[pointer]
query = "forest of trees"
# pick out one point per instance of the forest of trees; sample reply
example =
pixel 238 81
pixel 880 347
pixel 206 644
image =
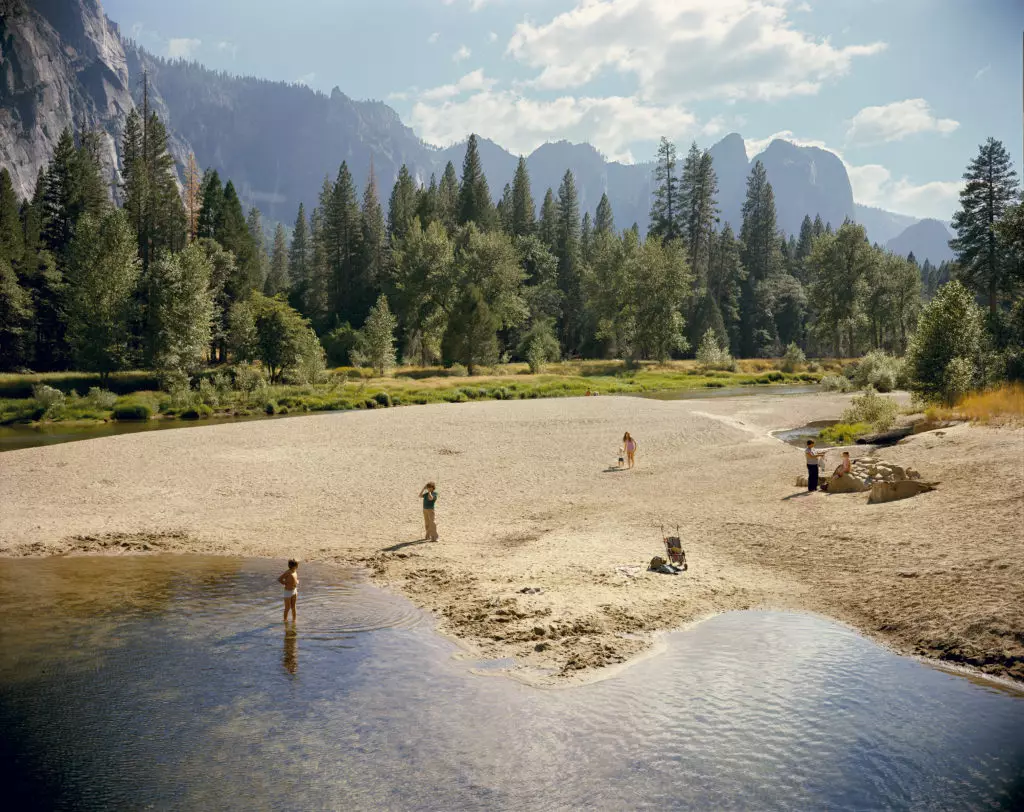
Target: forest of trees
pixel 176 279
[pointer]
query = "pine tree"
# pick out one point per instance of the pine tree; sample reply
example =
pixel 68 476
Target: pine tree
pixel 103 272
pixel 164 220
pixel 448 198
pixel 426 201
pixel 374 261
pixel 12 242
pixel 299 261
pixel 344 225
pixel 259 268
pixel 991 186
pixel 586 239
pixel 504 210
pixel 567 250
pixel 211 211
pixel 315 303
pixel 524 214
pixel 475 204
pixel 761 259
pixel 698 189
pixel 277 279
pixel 819 227
pixel 193 196
pixel 667 209
pixel 547 228
pixel 15 318
pixel 59 203
pixel 725 281
pixel 233 234
pixel 605 220
pixel 134 186
pixel 402 205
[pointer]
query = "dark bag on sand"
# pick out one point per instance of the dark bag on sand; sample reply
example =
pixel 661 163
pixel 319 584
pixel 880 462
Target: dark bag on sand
pixel 657 563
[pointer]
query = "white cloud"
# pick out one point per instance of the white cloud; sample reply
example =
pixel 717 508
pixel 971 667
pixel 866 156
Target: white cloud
pixel 896 121
pixel 522 124
pixel 683 49
pixel 182 48
pixel 982 71
pixel 756 146
pixel 307 78
pixel 476 5
pixel 874 185
pixel 492 37
pixel 462 54
pixel 434 37
pixel 469 83
pixel 228 47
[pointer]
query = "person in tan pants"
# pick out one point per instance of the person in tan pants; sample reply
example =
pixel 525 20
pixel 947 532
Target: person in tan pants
pixel 429 495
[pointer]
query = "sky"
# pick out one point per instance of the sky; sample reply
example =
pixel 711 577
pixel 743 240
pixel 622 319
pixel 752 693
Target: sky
pixel 903 91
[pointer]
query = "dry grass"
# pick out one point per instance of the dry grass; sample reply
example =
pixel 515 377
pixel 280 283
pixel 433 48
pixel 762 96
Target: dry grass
pixel 1003 406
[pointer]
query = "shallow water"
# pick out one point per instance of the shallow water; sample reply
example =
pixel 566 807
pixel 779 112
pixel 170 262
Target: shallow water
pixel 732 392
pixel 170 682
pixel 799 436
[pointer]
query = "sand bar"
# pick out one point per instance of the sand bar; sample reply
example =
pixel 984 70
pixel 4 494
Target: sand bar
pixel 527 500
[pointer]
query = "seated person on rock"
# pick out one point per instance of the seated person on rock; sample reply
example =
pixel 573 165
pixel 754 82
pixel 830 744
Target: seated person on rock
pixel 843 467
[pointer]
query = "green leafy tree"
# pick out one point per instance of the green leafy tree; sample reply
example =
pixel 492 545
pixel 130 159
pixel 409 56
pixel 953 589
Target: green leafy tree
pixel 539 345
pixel 947 346
pixel 663 285
pixel 375 343
pixel 488 261
pixel 268 330
pixel 99 297
pixel 838 269
pixel 990 188
pixel 472 335
pixel 181 310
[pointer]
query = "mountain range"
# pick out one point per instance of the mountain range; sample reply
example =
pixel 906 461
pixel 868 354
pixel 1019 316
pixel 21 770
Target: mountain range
pixel 64 63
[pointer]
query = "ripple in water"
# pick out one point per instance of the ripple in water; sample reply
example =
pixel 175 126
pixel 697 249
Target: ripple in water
pixel 170 682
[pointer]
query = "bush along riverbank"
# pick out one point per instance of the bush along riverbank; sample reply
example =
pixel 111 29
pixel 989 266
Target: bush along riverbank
pixel 245 390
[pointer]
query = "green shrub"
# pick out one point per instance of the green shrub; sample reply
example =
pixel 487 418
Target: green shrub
pixel 369 403
pixel 713 385
pixel 132 412
pixel 878 370
pixel 793 359
pixel 835 383
pixel 844 433
pixel 870 407
pixel 270 407
pixel 248 377
pixel 101 398
pixel 196 412
pixel 396 400
pixel 383 399
pixel 50 400
pixel 814 366
pixel 458 370
pixel 711 355
pixel 775 377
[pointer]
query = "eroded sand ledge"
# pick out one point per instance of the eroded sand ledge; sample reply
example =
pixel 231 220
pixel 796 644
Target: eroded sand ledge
pixel 526 501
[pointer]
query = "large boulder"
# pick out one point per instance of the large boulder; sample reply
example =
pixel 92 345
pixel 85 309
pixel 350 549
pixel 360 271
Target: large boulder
pixel 847 483
pixel 894 491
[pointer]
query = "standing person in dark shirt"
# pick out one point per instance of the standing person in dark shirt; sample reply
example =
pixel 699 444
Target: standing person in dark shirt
pixel 813 460
pixel 429 496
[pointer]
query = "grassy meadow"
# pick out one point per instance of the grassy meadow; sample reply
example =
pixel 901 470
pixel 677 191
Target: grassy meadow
pixel 79 397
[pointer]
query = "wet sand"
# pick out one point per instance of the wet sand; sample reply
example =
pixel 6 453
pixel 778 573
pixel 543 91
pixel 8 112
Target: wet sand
pixel 528 500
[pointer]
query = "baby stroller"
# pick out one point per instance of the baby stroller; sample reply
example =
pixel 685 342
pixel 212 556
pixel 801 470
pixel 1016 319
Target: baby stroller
pixel 676 555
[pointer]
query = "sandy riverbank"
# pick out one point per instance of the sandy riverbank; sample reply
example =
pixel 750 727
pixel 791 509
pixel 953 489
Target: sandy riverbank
pixel 526 501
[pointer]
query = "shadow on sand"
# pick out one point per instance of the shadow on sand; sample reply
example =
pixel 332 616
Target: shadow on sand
pixel 402 545
pixel 797 495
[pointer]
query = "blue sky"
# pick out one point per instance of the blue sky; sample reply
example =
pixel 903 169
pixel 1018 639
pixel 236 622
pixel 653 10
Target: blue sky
pixel 903 90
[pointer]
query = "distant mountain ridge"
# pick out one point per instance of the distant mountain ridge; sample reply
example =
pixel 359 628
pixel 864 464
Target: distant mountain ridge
pixel 277 140
pixel 927 239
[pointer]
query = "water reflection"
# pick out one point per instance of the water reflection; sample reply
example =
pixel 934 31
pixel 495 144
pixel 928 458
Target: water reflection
pixel 202 704
pixel 291 650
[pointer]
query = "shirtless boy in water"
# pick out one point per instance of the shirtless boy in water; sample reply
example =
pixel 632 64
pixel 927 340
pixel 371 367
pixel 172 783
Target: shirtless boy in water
pixel 290 581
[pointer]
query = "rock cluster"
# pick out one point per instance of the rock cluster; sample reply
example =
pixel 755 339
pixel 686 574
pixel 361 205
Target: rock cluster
pixel 887 481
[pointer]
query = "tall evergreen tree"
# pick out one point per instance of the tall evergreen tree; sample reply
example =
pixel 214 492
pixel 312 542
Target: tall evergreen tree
pixel 12 241
pixel 277 279
pixel 818 228
pixel 503 210
pixel 260 268
pixel 725 282
pixel 374 246
pixel 761 259
pixel 315 303
pixel 426 201
pixel 211 210
pixel 299 261
pixel 698 190
pixel 547 228
pixel 567 250
pixel 448 198
pixel 524 215
pixel 475 204
pixel 991 186
pixel 586 238
pixel 667 209
pixel 604 222
pixel 472 335
pixel 15 318
pixel 402 205
pixel 344 224
pixel 60 204
pixel 193 196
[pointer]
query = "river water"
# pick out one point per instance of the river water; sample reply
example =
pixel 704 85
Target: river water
pixel 170 682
